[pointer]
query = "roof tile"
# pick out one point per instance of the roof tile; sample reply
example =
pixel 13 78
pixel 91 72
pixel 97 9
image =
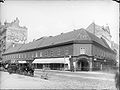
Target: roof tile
pixel 80 34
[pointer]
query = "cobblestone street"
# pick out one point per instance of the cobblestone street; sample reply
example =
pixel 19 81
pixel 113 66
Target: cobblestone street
pixel 55 80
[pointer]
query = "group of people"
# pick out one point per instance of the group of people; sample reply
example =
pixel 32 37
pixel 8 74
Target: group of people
pixel 24 69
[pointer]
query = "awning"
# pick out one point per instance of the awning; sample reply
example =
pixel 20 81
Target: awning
pixel 21 61
pixel 52 60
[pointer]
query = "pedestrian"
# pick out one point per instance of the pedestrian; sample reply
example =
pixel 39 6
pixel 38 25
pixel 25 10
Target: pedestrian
pixel 72 68
pixel 117 77
pixel 44 74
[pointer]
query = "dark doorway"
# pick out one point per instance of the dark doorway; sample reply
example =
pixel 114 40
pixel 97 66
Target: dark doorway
pixel 83 65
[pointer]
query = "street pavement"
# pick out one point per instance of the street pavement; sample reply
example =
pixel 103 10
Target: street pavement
pixel 58 80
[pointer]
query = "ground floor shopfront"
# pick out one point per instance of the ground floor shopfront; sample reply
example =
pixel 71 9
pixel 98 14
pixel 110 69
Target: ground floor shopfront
pixel 76 63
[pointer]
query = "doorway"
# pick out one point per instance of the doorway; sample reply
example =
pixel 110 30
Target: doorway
pixel 82 65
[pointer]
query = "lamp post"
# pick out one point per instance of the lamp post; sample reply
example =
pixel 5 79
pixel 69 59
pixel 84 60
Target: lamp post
pixel 69 56
pixel 104 60
pixel 95 66
pixel 95 59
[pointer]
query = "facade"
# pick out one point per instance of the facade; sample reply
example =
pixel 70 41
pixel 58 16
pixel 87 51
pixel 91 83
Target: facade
pixel 78 49
pixel 115 47
pixel 0 43
pixel 101 32
pixel 12 34
pixel 104 33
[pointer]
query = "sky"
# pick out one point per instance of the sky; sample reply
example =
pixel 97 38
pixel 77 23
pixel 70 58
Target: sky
pixel 50 18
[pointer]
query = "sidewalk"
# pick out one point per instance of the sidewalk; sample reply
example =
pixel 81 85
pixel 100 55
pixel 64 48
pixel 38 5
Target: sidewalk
pixel 64 81
pixel 79 74
pixel 87 72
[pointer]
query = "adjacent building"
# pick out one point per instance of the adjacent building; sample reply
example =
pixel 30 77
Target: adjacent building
pixel 104 33
pixel 101 32
pixel 12 34
pixel 115 47
pixel 78 49
pixel 0 43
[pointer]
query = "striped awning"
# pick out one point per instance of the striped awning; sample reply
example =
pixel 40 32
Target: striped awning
pixel 22 62
pixel 52 60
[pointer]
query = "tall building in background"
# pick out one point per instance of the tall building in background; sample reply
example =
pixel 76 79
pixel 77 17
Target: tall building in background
pixel 101 32
pixel 12 34
pixel 0 41
pixel 115 47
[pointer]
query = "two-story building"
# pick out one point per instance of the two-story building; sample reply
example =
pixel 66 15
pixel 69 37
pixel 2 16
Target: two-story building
pixel 79 49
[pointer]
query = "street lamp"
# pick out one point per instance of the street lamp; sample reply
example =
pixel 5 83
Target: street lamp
pixel 104 60
pixel 69 56
pixel 95 59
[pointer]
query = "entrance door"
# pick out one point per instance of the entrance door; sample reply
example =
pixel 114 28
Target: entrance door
pixel 83 65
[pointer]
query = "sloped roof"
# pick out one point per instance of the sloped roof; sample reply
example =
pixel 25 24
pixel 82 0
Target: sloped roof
pixel 80 34
pixel 96 39
pixel 14 49
pixel 105 42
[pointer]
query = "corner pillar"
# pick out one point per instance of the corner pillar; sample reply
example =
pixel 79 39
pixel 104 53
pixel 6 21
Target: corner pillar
pixel 71 64
pixel 90 65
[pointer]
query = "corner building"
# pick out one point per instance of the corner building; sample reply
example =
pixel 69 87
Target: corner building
pixel 78 49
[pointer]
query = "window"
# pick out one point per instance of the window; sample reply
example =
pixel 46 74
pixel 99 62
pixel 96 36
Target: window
pixel 21 55
pixel 66 51
pixel 82 51
pixel 46 53
pixel 40 54
pixel 32 55
pixel 58 52
pixel 36 55
pixel 51 52
pixel 25 55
